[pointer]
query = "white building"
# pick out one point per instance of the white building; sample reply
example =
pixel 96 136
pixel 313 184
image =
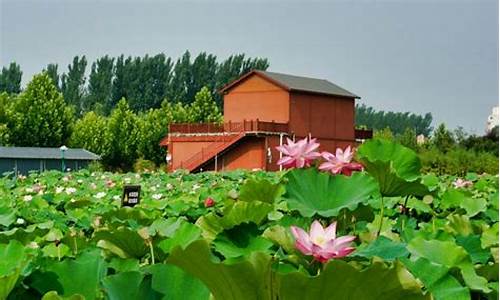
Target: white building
pixel 492 119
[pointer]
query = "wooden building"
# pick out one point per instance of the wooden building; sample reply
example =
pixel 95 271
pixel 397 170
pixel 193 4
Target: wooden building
pixel 260 110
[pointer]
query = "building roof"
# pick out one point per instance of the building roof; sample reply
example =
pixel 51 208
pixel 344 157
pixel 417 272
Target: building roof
pixel 297 83
pixel 46 153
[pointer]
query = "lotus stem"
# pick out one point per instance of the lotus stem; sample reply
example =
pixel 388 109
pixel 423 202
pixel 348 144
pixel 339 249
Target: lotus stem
pixel 152 252
pixel 76 245
pixel 381 216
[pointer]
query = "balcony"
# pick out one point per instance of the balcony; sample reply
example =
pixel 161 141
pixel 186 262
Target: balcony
pixel 229 127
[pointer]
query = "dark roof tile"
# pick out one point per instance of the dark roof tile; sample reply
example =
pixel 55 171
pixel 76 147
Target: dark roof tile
pixel 46 153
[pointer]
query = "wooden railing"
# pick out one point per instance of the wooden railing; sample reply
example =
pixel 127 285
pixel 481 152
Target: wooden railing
pixel 250 125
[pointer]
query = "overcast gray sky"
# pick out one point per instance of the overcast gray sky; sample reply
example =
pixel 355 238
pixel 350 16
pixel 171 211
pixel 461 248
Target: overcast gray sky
pixel 420 56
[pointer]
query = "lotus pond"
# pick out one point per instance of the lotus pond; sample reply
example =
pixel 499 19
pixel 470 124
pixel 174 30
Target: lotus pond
pixel 384 232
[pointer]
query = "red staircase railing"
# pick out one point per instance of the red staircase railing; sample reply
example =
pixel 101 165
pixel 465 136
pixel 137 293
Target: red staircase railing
pixel 229 133
pixel 210 151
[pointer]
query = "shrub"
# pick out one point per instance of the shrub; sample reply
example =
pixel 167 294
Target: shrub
pixel 143 165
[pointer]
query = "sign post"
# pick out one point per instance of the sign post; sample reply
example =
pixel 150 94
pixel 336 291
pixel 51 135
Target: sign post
pixel 131 195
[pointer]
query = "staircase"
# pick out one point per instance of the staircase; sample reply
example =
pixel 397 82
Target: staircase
pixel 211 151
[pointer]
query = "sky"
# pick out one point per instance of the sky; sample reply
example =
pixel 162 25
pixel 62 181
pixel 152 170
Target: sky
pixel 438 56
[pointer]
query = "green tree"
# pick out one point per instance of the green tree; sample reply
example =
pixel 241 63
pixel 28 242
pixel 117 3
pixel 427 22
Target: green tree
pixel 73 83
pixel 122 131
pixel 396 121
pixel 90 133
pixel 443 138
pixel 39 116
pixel 408 138
pixel 385 134
pixel 153 126
pixel 6 101
pixel 10 79
pixel 100 84
pixel 204 109
pixel 52 72
pixel 142 81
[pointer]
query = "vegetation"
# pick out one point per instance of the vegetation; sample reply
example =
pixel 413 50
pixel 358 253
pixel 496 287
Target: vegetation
pixel 397 122
pixel 240 235
pixel 122 110
pixel 454 153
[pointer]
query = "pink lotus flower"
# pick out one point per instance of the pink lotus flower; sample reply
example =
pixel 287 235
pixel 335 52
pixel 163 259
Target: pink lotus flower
pixel 460 183
pixel 110 183
pixel 322 243
pixel 340 162
pixel 209 202
pixel 299 154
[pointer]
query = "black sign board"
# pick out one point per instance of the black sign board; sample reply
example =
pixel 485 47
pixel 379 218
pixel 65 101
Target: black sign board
pixel 131 195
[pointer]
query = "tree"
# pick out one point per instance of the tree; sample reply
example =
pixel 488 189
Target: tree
pixel 10 79
pixel 73 83
pixel 385 134
pixel 51 71
pixel 396 121
pixel 144 82
pixel 153 126
pixel 204 109
pixel 5 108
pixel 408 138
pixel 122 131
pixel 100 84
pixel 443 138
pixel 90 133
pixel 40 117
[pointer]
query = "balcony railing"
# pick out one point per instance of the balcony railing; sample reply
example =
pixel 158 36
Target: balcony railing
pixel 230 127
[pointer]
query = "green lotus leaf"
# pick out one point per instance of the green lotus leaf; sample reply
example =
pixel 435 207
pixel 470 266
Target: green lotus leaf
pixel 449 254
pixel 125 239
pixel 184 235
pixel 312 192
pixel 260 190
pixel 165 227
pixel 384 248
pixel 53 295
pixel 124 265
pixel 244 280
pixel 490 236
pixel 241 240
pixel 129 285
pixel 73 276
pixel 342 281
pixel 472 244
pixel 173 283
pixel 280 236
pixel 458 225
pixel 7 216
pixel 56 251
pixel 456 198
pixel 13 259
pixel 238 213
pixel 437 280
pixel 23 235
pixel 395 167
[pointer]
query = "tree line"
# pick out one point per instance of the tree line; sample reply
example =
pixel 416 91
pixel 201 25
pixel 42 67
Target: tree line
pixel 397 122
pixel 145 82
